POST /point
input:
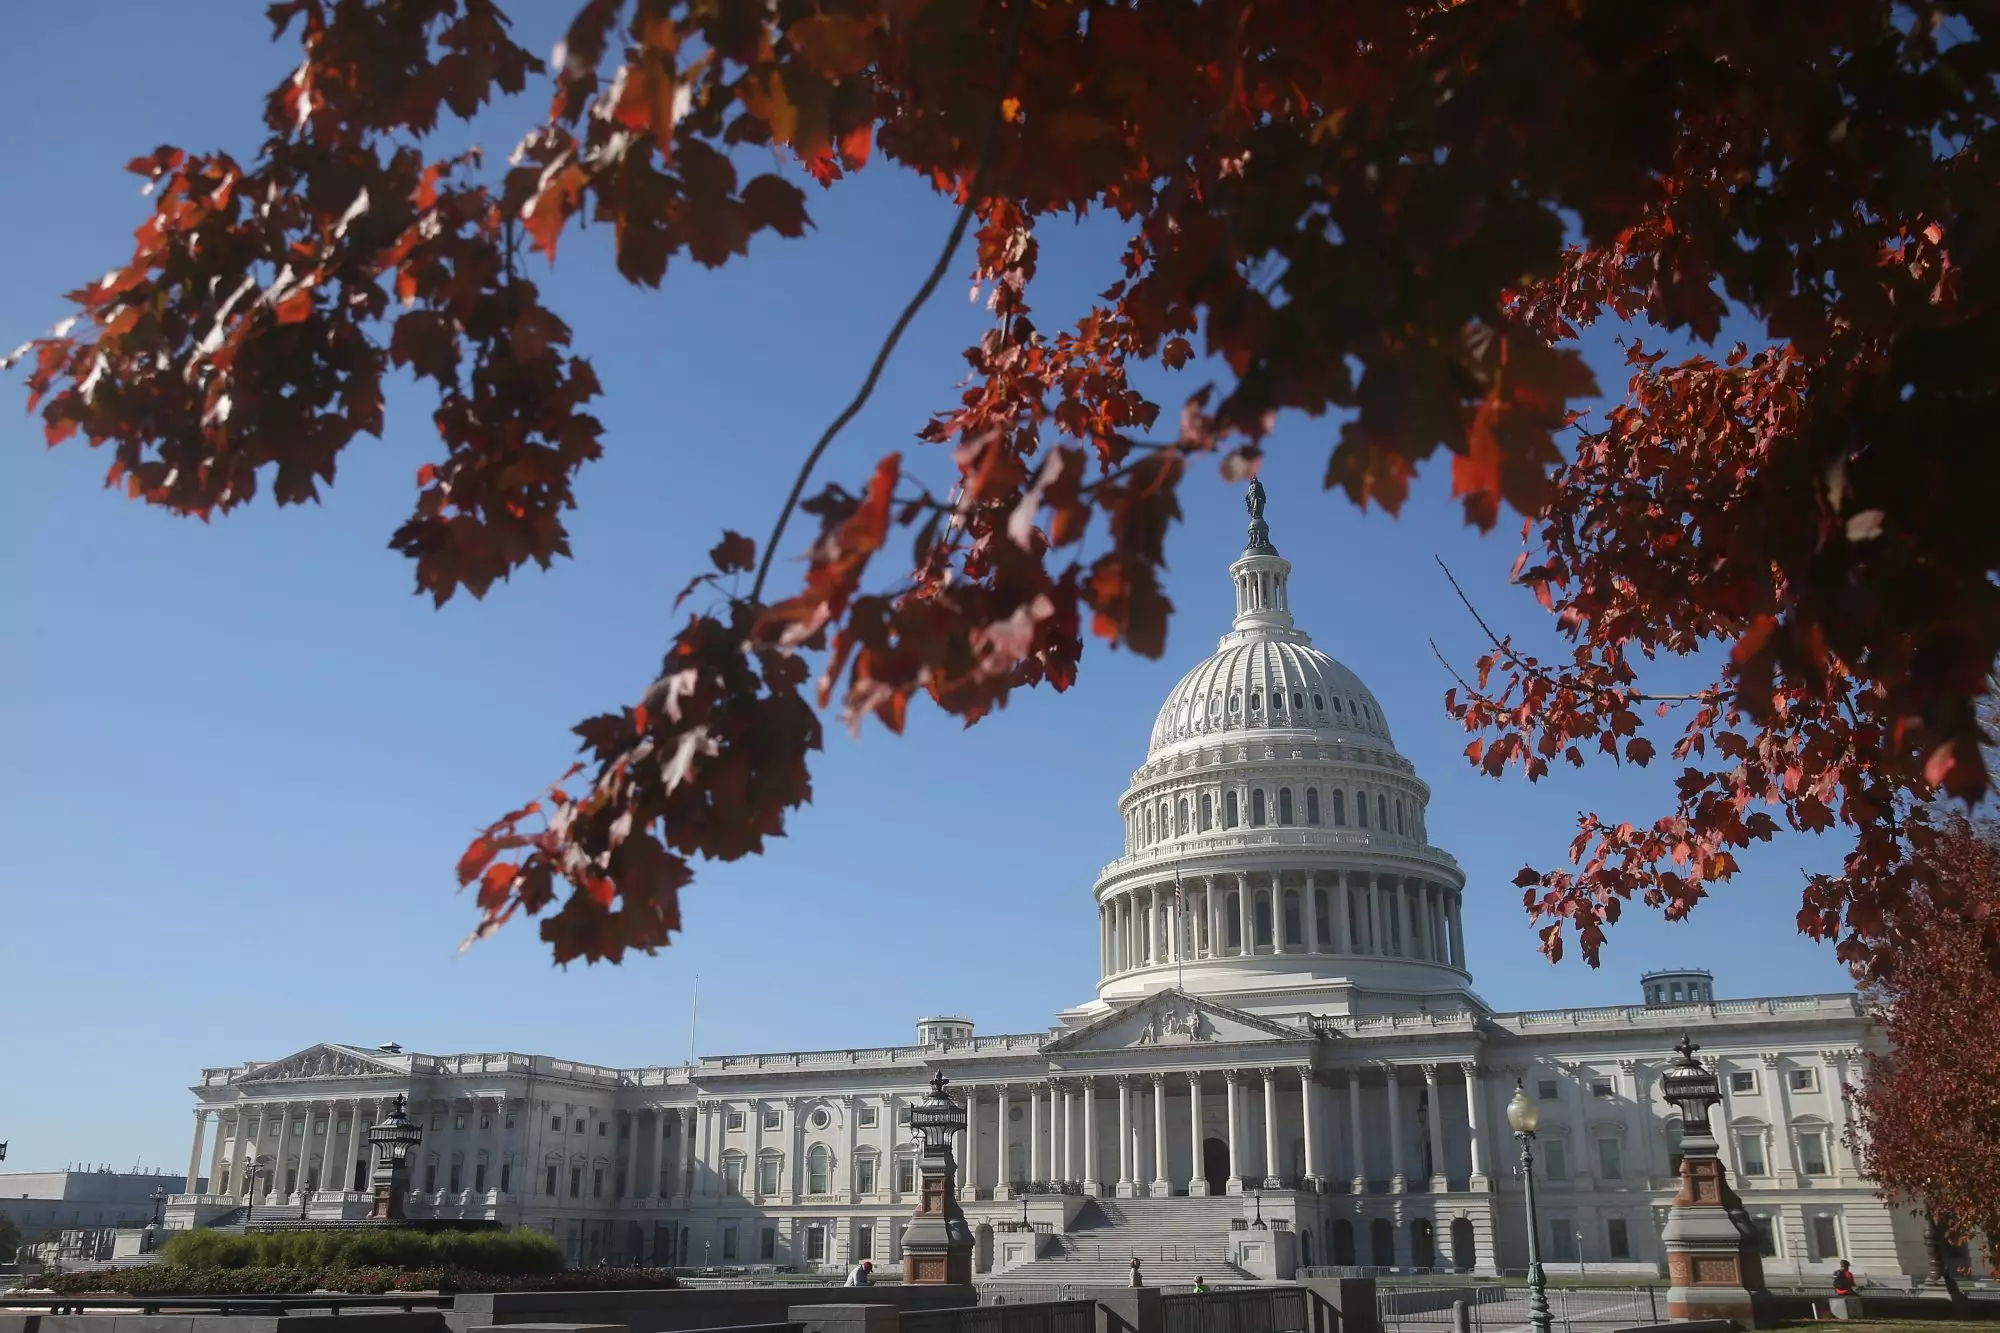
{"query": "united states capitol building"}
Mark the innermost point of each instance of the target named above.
(1284, 1065)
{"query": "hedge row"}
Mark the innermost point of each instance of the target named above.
(517, 1251)
(166, 1279)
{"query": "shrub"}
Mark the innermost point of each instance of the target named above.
(169, 1279)
(498, 1252)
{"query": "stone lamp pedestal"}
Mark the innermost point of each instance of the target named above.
(937, 1247)
(394, 1141)
(1713, 1264)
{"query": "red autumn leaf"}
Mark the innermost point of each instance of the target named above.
(735, 553)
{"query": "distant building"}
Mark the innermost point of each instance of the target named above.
(38, 1200)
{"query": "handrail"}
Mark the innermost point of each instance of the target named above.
(149, 1304)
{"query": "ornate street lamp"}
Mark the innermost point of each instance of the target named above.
(1524, 1118)
(937, 1248)
(1258, 1199)
(159, 1198)
(393, 1142)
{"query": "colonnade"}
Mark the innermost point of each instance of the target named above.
(286, 1132)
(1059, 1132)
(1314, 912)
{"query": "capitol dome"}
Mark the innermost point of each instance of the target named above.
(1274, 808)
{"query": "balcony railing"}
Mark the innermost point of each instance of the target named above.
(1217, 841)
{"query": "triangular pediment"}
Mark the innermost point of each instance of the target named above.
(322, 1061)
(1172, 1018)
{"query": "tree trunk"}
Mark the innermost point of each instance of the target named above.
(1941, 1265)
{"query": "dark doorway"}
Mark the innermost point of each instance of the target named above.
(1462, 1249)
(1306, 1247)
(1423, 1250)
(1215, 1165)
(1343, 1242)
(1382, 1235)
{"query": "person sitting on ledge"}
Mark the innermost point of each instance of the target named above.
(862, 1274)
(1200, 1285)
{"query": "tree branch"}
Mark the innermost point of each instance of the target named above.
(916, 302)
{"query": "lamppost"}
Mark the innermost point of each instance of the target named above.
(393, 1141)
(1524, 1118)
(159, 1198)
(1258, 1199)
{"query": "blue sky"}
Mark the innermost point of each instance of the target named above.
(238, 761)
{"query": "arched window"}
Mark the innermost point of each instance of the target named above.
(1207, 812)
(1312, 805)
(1361, 809)
(1181, 814)
(1284, 805)
(1256, 699)
(1322, 920)
(1257, 807)
(1294, 929)
(1235, 702)
(1339, 807)
(1263, 923)
(1319, 702)
(1229, 814)
(1298, 700)
(732, 1175)
(1149, 824)
(1399, 815)
(819, 1164)
(1234, 909)
(1336, 704)
(1166, 820)
(1382, 811)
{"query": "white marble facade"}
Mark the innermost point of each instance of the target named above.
(1284, 1008)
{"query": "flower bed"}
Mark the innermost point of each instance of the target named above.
(514, 1251)
(165, 1279)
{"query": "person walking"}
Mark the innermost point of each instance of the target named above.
(1137, 1281)
(1843, 1280)
(862, 1274)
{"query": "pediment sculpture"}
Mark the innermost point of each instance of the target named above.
(1174, 1022)
(317, 1063)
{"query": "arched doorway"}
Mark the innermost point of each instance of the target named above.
(1306, 1246)
(1343, 1242)
(1382, 1240)
(1464, 1255)
(1215, 1165)
(1423, 1247)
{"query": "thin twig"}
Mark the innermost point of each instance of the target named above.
(973, 196)
(1514, 660)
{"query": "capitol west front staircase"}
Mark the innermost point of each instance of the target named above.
(1176, 1241)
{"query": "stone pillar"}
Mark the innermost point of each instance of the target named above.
(358, 1121)
(1003, 1183)
(1439, 1182)
(1306, 1118)
(1091, 1187)
(1474, 1096)
(1415, 937)
(1197, 1182)
(215, 1154)
(276, 1189)
(1457, 930)
(1232, 1080)
(1787, 1166)
(1123, 1189)
(325, 1148)
(630, 1154)
(1217, 932)
(1035, 1162)
(1058, 1133)
(1162, 1186)
(1378, 935)
(1360, 1163)
(1246, 915)
(684, 1168)
(1398, 1181)
(968, 1187)
(194, 1156)
(1271, 1163)
(240, 1154)
(1071, 1166)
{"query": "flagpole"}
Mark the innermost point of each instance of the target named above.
(1180, 933)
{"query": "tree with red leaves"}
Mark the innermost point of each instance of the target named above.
(1401, 211)
(1926, 1121)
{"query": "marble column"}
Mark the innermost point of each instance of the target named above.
(325, 1148)
(1271, 1159)
(1232, 1080)
(239, 1154)
(277, 1190)
(1162, 1186)
(1246, 915)
(1343, 931)
(1473, 1099)
(1071, 1167)
(194, 1157)
(1091, 1186)
(1457, 930)
(1413, 936)
(1360, 1158)
(1058, 1150)
(1378, 926)
(1306, 1118)
(1124, 1186)
(1197, 1182)
(358, 1122)
(1218, 933)
(1003, 1162)
(1438, 1181)
(630, 1154)
(968, 1182)
(215, 1156)
(1398, 1179)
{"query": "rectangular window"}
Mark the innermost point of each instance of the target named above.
(1750, 1151)
(601, 1127)
(1812, 1152)
(1826, 1238)
(1617, 1241)
(906, 1175)
(597, 1183)
(1804, 1080)
(458, 1122)
(729, 1242)
(774, 1120)
(734, 1121)
(864, 1175)
(902, 1115)
(579, 1125)
(555, 1124)
(575, 1182)
(1562, 1240)
(437, 1122)
(865, 1117)
(732, 1175)
(864, 1241)
(1767, 1234)
(486, 1122)
(1263, 922)
(1742, 1080)
(1600, 1088)
(1555, 1154)
(319, 1125)
(479, 1178)
(767, 1174)
(767, 1243)
(618, 1184)
(549, 1182)
(430, 1177)
(815, 1245)
(625, 1129)
(510, 1120)
(456, 1183)
(1610, 1161)
(1547, 1090)
(506, 1177)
